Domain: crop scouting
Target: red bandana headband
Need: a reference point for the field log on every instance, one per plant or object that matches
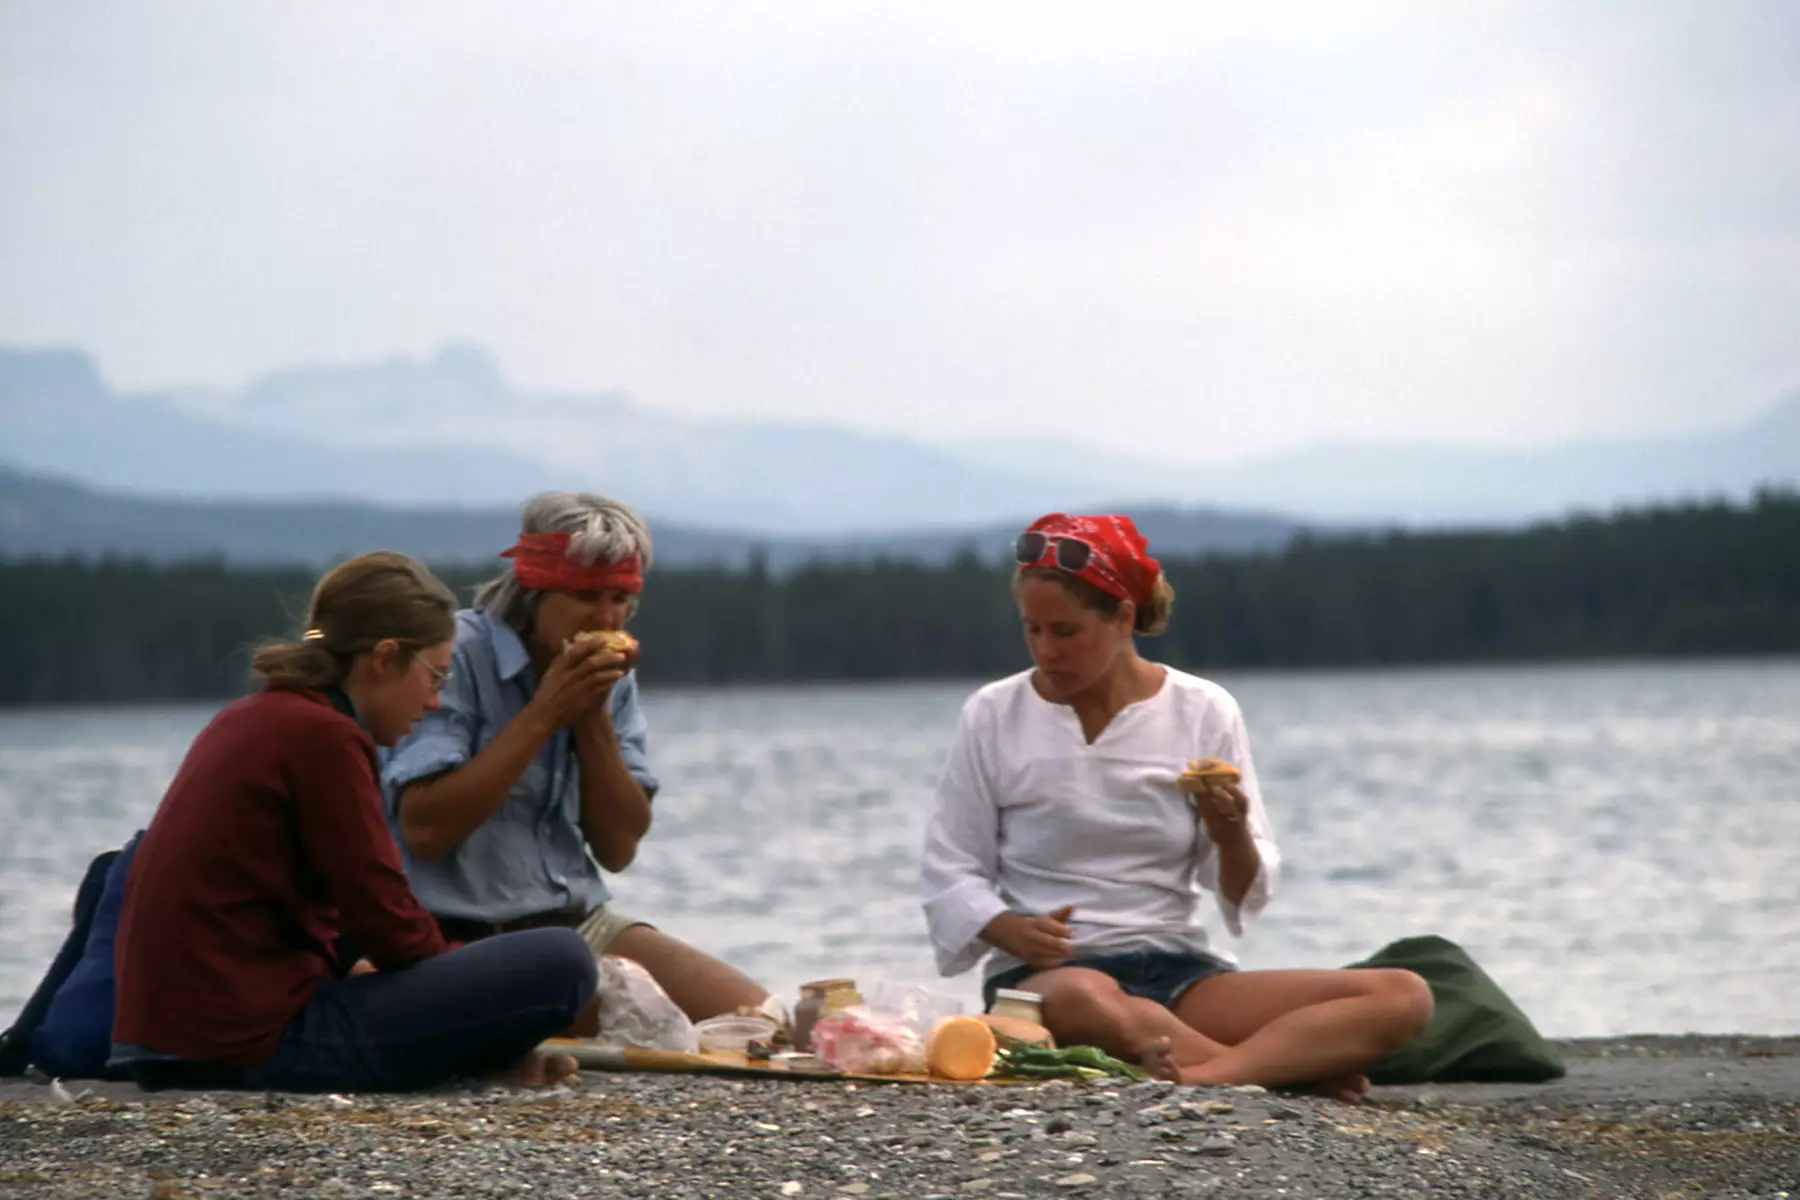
(1120, 564)
(541, 560)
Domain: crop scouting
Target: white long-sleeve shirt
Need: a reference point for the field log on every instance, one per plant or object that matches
(1029, 816)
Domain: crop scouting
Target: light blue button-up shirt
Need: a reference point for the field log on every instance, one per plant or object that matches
(530, 856)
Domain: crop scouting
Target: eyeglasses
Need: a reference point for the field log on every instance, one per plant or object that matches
(1072, 554)
(440, 676)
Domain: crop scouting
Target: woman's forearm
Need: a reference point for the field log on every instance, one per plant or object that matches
(615, 811)
(1239, 861)
(437, 813)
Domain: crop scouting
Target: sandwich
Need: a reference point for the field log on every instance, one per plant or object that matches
(1203, 771)
(615, 640)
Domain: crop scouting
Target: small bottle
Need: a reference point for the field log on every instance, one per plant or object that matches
(821, 998)
(1026, 1006)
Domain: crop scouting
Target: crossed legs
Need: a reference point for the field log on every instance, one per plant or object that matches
(1275, 1028)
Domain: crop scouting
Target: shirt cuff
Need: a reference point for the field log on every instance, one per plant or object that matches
(1256, 898)
(421, 761)
(646, 779)
(956, 919)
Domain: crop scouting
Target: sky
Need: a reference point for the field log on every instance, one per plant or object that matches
(1179, 229)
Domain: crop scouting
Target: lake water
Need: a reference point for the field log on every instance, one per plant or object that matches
(1618, 845)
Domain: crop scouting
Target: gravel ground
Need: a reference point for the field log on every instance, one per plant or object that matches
(1637, 1118)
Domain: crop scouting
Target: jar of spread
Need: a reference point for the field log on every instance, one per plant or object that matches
(1026, 1006)
(821, 998)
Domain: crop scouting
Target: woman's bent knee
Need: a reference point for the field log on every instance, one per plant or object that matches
(563, 962)
(576, 959)
(1409, 1002)
(1082, 1004)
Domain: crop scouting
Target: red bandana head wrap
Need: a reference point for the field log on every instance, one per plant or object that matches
(541, 560)
(1120, 563)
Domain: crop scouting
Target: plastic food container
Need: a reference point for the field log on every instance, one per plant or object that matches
(733, 1033)
(1010, 1002)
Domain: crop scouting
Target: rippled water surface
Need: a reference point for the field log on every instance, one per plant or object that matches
(1618, 845)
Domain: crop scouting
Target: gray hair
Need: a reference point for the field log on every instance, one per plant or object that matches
(598, 528)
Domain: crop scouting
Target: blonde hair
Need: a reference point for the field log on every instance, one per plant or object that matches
(1152, 615)
(361, 601)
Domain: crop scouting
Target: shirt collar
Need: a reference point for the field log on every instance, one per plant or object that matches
(510, 656)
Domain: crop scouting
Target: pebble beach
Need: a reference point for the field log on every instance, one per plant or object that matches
(1636, 1118)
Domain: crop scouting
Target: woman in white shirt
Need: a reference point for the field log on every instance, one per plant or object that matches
(1060, 845)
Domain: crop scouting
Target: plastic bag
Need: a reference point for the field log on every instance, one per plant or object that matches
(635, 1011)
(869, 1041)
(920, 1007)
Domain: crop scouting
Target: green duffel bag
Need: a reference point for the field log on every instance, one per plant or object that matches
(1476, 1031)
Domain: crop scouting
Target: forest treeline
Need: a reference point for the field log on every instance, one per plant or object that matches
(1695, 579)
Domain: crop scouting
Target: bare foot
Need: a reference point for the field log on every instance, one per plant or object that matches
(538, 1069)
(1157, 1057)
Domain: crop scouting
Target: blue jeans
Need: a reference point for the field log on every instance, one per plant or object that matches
(472, 1010)
(1157, 975)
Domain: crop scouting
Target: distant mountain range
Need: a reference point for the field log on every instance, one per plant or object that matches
(449, 430)
(41, 516)
(1424, 483)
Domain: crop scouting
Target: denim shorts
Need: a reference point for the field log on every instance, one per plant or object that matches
(1158, 975)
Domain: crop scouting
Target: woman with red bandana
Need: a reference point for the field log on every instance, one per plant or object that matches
(533, 774)
(1061, 847)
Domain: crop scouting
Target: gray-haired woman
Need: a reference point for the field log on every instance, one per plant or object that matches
(532, 773)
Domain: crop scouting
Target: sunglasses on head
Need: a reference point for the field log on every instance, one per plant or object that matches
(1072, 554)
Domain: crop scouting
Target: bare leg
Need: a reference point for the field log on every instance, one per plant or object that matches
(700, 984)
(1086, 1007)
(1303, 1027)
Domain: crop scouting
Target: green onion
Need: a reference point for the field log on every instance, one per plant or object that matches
(1028, 1060)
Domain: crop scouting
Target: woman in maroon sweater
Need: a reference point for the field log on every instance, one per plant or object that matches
(270, 857)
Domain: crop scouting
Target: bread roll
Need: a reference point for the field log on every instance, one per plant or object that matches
(616, 640)
(1202, 771)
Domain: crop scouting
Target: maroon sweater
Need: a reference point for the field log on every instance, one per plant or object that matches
(270, 840)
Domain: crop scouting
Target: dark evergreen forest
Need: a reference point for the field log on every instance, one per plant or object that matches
(1699, 579)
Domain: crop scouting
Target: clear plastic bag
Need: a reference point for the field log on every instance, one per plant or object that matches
(635, 1011)
(920, 1007)
(869, 1041)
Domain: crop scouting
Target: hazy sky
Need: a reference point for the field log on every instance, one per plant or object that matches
(1164, 227)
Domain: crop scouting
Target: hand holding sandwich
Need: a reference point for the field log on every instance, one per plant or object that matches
(581, 676)
(1214, 787)
(615, 809)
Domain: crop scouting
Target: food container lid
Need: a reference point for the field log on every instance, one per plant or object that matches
(1015, 994)
(733, 1032)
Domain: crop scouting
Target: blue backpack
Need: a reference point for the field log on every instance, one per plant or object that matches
(65, 1029)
